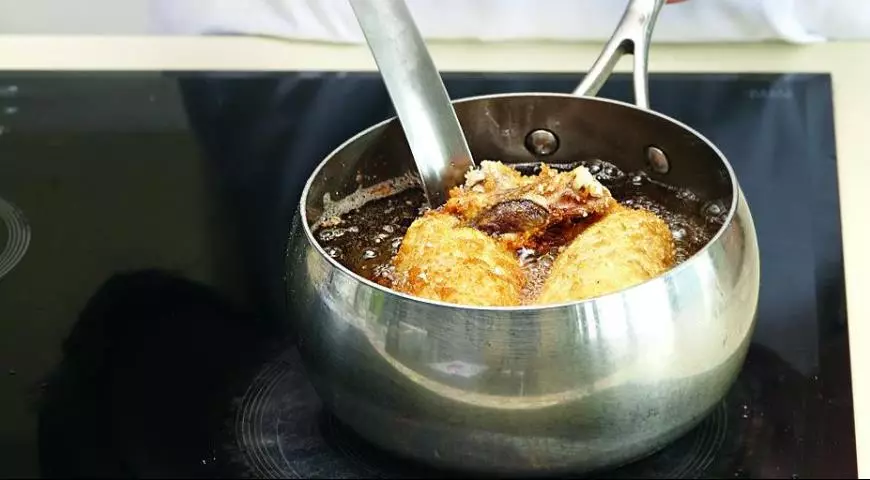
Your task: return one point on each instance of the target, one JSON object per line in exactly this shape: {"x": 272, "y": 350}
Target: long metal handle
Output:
{"x": 632, "y": 36}
{"x": 418, "y": 95}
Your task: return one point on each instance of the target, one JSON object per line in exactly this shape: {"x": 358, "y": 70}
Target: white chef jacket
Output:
{"x": 796, "y": 21}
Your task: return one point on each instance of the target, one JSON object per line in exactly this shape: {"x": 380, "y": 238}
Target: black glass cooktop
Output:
{"x": 142, "y": 321}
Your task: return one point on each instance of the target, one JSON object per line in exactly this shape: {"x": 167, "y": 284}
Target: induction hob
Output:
{"x": 144, "y": 219}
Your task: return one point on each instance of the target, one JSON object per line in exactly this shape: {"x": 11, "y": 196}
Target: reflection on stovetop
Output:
{"x": 162, "y": 377}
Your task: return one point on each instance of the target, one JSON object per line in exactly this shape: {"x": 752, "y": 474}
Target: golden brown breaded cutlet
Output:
{"x": 442, "y": 260}
{"x": 624, "y": 248}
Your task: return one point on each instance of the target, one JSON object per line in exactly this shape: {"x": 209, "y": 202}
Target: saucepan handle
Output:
{"x": 632, "y": 36}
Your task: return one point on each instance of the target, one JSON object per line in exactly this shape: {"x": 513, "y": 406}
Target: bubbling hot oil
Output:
{"x": 367, "y": 237}
{"x": 364, "y": 237}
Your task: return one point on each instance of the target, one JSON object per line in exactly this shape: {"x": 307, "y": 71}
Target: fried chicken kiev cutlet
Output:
{"x": 440, "y": 259}
{"x": 624, "y": 248}
{"x": 466, "y": 251}
{"x": 499, "y": 200}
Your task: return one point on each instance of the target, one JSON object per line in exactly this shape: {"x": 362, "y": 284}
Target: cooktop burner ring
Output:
{"x": 14, "y": 237}
{"x": 695, "y": 451}
{"x": 281, "y": 430}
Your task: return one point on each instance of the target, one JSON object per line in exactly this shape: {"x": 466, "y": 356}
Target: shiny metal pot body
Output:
{"x": 571, "y": 387}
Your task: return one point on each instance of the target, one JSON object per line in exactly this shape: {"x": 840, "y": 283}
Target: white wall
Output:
{"x": 128, "y": 17}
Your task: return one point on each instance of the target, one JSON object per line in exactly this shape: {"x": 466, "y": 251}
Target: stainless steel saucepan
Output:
{"x": 533, "y": 390}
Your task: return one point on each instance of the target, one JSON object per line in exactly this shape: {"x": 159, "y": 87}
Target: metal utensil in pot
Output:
{"x": 531, "y": 390}
{"x": 418, "y": 95}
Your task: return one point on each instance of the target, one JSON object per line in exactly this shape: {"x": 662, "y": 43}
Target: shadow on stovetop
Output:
{"x": 163, "y": 377}
{"x": 140, "y": 387}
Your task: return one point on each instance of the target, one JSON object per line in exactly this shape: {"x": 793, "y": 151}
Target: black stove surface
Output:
{"x": 142, "y": 322}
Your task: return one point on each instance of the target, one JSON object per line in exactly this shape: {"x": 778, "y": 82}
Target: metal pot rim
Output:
{"x": 732, "y": 210}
